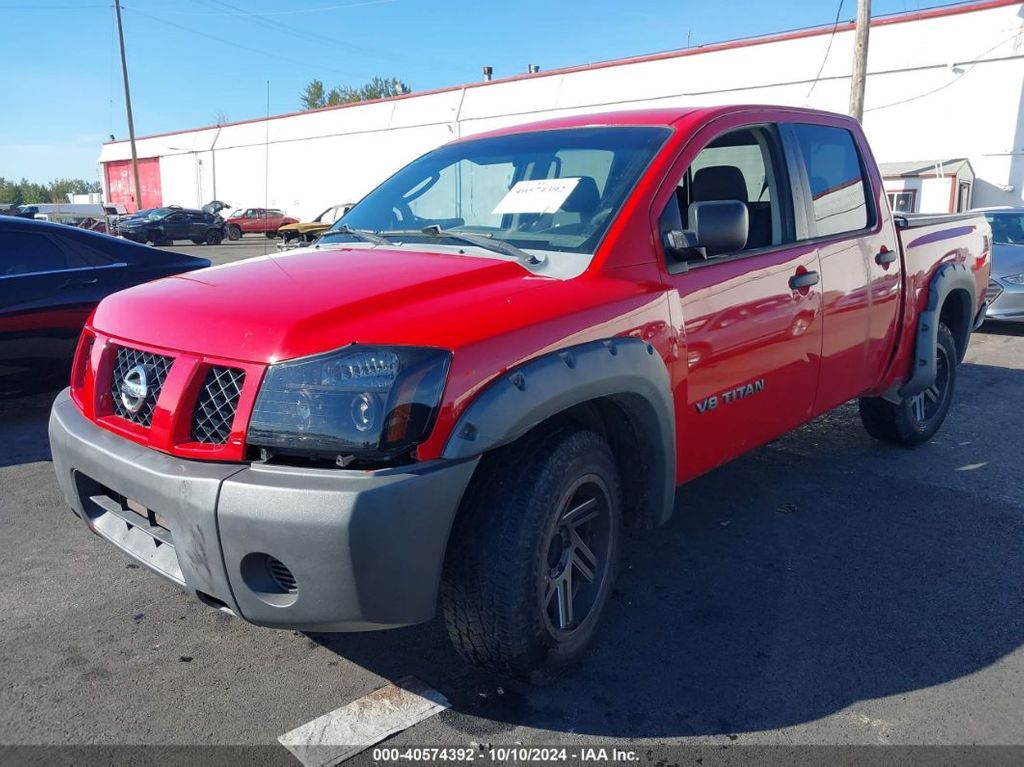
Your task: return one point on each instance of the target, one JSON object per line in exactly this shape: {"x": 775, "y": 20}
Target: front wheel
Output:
{"x": 234, "y": 232}
{"x": 214, "y": 237}
{"x": 916, "y": 419}
{"x": 534, "y": 553}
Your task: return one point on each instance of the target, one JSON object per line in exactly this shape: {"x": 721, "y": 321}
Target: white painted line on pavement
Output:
{"x": 344, "y": 732}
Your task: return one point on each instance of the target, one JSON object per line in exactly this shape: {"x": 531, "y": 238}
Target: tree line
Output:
{"x": 26, "y": 192}
{"x": 316, "y": 96}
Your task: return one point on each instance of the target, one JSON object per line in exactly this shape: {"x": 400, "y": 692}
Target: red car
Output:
{"x": 513, "y": 347}
{"x": 257, "y": 220}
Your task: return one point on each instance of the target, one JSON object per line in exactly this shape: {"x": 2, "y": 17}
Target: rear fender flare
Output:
{"x": 624, "y": 367}
{"x": 947, "y": 278}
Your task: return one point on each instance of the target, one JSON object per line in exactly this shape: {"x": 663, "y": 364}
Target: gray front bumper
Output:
{"x": 1008, "y": 304}
{"x": 365, "y": 547}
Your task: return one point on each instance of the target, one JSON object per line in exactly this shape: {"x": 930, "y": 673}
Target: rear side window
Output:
{"x": 27, "y": 253}
{"x": 839, "y": 197}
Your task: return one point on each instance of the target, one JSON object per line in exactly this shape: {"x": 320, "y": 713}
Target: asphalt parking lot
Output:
{"x": 229, "y": 250}
{"x": 824, "y": 589}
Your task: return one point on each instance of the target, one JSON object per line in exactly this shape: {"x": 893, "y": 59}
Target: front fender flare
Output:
{"x": 948, "y": 278}
{"x": 622, "y": 367}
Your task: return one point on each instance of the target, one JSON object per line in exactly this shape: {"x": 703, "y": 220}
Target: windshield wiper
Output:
{"x": 361, "y": 234}
{"x": 485, "y": 241}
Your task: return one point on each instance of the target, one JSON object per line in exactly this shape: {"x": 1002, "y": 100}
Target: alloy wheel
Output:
{"x": 577, "y": 557}
{"x": 924, "y": 406}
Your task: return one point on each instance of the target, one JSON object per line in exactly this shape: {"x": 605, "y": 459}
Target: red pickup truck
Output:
{"x": 513, "y": 347}
{"x": 257, "y": 221}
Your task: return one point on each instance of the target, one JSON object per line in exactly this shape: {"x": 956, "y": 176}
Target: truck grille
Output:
{"x": 155, "y": 366}
{"x": 216, "y": 406}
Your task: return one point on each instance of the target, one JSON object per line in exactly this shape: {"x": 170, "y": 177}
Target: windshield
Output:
{"x": 553, "y": 190}
{"x": 157, "y": 213}
{"x": 1007, "y": 228}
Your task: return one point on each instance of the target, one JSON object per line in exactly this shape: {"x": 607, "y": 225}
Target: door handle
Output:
{"x": 803, "y": 280}
{"x": 885, "y": 257}
{"x": 79, "y": 283}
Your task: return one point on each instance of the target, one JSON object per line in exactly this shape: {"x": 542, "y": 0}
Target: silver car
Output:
{"x": 1006, "y": 287}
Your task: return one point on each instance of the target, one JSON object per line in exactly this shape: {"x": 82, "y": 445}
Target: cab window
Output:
{"x": 743, "y": 166}
{"x": 838, "y": 184}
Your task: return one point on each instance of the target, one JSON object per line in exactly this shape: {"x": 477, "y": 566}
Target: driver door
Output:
{"x": 748, "y": 319}
{"x": 176, "y": 226}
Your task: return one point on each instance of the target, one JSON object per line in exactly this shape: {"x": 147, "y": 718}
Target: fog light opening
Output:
{"x": 269, "y": 579}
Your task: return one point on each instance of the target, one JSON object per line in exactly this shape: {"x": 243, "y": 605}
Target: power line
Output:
{"x": 980, "y": 58}
{"x": 232, "y": 43}
{"x": 289, "y": 12}
{"x": 831, "y": 38}
{"x": 35, "y": 7}
{"x": 346, "y": 45}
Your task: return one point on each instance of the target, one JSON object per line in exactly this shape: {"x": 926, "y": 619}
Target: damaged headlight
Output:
{"x": 361, "y": 401}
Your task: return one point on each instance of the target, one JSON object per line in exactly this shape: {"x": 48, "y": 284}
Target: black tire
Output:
{"x": 154, "y": 237}
{"x": 271, "y": 235}
{"x": 515, "y": 551}
{"x": 214, "y": 237}
{"x": 234, "y": 232}
{"x": 916, "y": 419}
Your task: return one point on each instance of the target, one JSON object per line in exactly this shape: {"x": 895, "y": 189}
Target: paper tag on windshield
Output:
{"x": 544, "y": 195}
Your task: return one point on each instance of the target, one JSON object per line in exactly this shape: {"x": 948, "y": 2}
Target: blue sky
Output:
{"x": 191, "y": 61}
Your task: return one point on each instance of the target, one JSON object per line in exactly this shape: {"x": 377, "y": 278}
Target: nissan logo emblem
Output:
{"x": 135, "y": 389}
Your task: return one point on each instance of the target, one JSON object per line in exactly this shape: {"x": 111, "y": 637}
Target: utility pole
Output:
{"x": 128, "y": 107}
{"x": 860, "y": 59}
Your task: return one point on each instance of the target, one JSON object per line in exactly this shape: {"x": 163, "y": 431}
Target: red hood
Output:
{"x": 285, "y": 306}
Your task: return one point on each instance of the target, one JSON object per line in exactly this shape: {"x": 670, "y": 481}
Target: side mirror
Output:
{"x": 720, "y": 226}
{"x": 683, "y": 246}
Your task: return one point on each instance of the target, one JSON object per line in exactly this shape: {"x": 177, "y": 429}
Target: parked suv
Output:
{"x": 257, "y": 220}
{"x": 162, "y": 226}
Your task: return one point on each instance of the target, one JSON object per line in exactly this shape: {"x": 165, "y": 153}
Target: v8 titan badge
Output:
{"x": 731, "y": 395}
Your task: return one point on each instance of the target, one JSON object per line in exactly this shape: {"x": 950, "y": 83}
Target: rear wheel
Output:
{"x": 214, "y": 237}
{"x": 534, "y": 553}
{"x": 916, "y": 419}
{"x": 234, "y": 232}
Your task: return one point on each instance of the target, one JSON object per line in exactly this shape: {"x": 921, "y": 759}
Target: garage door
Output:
{"x": 119, "y": 183}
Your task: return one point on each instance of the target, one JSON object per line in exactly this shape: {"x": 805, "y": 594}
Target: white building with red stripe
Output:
{"x": 942, "y": 83}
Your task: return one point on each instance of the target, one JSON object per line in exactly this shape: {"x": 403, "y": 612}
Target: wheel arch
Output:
{"x": 618, "y": 387}
{"x": 950, "y": 301}
{"x": 956, "y": 314}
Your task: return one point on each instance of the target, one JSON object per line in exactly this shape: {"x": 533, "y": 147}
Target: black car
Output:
{"x": 165, "y": 225}
{"x": 51, "y": 278}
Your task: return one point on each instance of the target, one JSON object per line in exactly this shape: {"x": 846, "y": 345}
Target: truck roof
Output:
{"x": 667, "y": 117}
